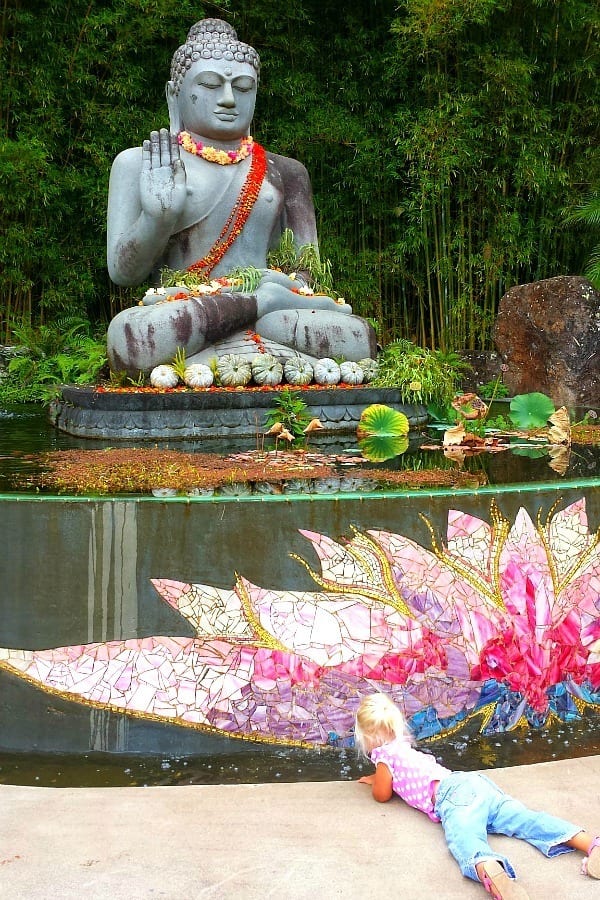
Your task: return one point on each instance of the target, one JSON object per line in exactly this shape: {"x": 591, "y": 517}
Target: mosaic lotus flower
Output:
{"x": 526, "y": 600}
{"x": 494, "y": 622}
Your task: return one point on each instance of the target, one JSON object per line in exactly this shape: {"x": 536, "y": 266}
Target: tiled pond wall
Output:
{"x": 200, "y": 625}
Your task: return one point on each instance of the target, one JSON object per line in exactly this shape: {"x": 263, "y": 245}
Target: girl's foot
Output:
{"x": 591, "y": 863}
{"x": 498, "y": 882}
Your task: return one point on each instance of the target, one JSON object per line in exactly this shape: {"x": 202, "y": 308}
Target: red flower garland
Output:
{"x": 239, "y": 214}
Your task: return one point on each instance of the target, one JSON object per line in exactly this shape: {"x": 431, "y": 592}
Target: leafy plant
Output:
{"x": 181, "y": 278}
{"x": 588, "y": 214}
{"x": 179, "y": 363}
{"x": 287, "y": 257}
{"x": 61, "y": 352}
{"x": 494, "y": 389}
{"x": 421, "y": 375}
{"x": 246, "y": 280}
{"x": 291, "y": 412}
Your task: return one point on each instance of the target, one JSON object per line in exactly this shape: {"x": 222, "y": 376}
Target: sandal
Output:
{"x": 590, "y": 864}
{"x": 499, "y": 884}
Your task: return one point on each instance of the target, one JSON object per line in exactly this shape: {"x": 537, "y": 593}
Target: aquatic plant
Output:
{"x": 382, "y": 433}
{"x": 531, "y": 410}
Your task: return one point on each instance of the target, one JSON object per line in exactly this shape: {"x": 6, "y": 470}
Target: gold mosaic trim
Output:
{"x": 392, "y": 598}
{"x": 500, "y": 528}
{"x": 265, "y": 638}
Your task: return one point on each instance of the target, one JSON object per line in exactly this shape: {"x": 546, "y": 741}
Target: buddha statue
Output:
{"x": 203, "y": 196}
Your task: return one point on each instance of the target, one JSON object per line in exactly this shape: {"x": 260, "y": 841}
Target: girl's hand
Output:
{"x": 366, "y": 779}
{"x": 381, "y": 783}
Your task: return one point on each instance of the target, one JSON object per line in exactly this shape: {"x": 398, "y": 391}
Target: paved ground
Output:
{"x": 310, "y": 841}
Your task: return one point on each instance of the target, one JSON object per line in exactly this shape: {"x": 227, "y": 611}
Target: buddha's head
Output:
{"x": 214, "y": 79}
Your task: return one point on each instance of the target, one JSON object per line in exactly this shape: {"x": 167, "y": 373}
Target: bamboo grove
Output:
{"x": 448, "y": 141}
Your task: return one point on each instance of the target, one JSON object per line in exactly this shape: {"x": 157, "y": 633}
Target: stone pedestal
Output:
{"x": 186, "y": 415}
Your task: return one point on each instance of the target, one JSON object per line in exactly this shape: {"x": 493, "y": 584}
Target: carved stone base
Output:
{"x": 85, "y": 412}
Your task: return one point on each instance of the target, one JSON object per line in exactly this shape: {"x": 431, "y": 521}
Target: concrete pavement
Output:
{"x": 308, "y": 841}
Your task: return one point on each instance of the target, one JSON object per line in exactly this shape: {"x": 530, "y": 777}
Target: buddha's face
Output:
{"x": 216, "y": 99}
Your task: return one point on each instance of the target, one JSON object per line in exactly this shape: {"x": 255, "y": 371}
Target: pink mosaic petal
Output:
{"x": 328, "y": 628}
{"x": 470, "y": 538}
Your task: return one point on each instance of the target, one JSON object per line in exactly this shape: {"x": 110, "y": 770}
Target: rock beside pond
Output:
{"x": 547, "y": 334}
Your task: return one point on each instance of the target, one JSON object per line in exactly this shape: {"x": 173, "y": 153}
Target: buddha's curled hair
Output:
{"x": 211, "y": 39}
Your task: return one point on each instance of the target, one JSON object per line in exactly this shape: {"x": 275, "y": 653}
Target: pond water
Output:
{"x": 25, "y": 431}
{"x": 568, "y": 740}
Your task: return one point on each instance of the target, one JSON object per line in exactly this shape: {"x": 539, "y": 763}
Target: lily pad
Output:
{"x": 379, "y": 447}
{"x": 530, "y": 452}
{"x": 382, "y": 421}
{"x": 531, "y": 410}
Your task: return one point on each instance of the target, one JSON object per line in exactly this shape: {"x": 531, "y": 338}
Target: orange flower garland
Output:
{"x": 239, "y": 214}
{"x": 211, "y": 154}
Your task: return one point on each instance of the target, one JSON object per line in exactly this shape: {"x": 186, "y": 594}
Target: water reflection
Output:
{"x": 25, "y": 432}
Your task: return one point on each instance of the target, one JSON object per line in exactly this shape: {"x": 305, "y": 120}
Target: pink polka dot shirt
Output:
{"x": 413, "y": 773}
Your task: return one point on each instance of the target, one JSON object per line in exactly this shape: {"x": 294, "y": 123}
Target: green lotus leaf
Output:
{"x": 381, "y": 420}
{"x": 531, "y": 410}
{"x": 379, "y": 447}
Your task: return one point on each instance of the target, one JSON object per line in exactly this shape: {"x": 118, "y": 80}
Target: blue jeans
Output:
{"x": 470, "y": 807}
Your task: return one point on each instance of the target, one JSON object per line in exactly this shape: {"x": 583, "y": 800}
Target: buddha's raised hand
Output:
{"x": 162, "y": 179}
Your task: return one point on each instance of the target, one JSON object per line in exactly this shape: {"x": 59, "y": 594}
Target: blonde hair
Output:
{"x": 378, "y": 721}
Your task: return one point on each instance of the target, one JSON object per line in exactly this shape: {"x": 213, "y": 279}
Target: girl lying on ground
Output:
{"x": 468, "y": 805}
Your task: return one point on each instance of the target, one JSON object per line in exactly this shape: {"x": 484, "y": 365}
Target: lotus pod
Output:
{"x": 266, "y": 369}
{"x": 351, "y": 373}
{"x": 327, "y": 371}
{"x": 298, "y": 371}
{"x": 164, "y": 377}
{"x": 370, "y": 368}
{"x": 198, "y": 376}
{"x": 234, "y": 370}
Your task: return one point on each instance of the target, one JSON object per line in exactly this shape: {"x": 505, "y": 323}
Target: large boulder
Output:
{"x": 547, "y": 334}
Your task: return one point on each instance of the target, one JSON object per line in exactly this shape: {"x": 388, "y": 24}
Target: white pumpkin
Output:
{"x": 370, "y": 368}
{"x": 266, "y": 369}
{"x": 164, "y": 377}
{"x": 327, "y": 371}
{"x": 351, "y": 373}
{"x": 298, "y": 371}
{"x": 198, "y": 376}
{"x": 234, "y": 370}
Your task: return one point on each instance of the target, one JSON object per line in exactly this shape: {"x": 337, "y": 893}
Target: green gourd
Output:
{"x": 327, "y": 371}
{"x": 298, "y": 371}
{"x": 164, "y": 377}
{"x": 198, "y": 376}
{"x": 351, "y": 373}
{"x": 369, "y": 367}
{"x": 234, "y": 370}
{"x": 266, "y": 370}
